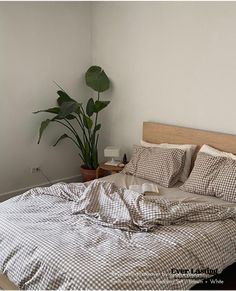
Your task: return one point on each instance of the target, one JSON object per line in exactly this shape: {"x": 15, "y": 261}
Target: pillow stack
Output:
{"x": 189, "y": 150}
{"x": 214, "y": 174}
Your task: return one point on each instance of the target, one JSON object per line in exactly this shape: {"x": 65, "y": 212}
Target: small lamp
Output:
{"x": 112, "y": 152}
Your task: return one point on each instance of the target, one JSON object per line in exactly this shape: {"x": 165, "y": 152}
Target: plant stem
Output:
{"x": 73, "y": 141}
{"x": 59, "y": 86}
{"x": 82, "y": 158}
{"x": 71, "y": 126}
{"x": 73, "y": 131}
{"x": 96, "y": 120}
{"x": 78, "y": 147}
{"x": 97, "y": 140}
{"x": 64, "y": 125}
{"x": 82, "y": 127}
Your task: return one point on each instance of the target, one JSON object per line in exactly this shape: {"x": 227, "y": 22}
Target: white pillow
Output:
{"x": 216, "y": 153}
{"x": 188, "y": 148}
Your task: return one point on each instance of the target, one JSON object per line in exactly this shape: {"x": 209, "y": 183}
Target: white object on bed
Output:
{"x": 216, "y": 153}
{"x": 145, "y": 188}
{"x": 188, "y": 148}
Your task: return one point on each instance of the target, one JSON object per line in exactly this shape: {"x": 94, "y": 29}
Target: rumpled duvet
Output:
{"x": 74, "y": 236}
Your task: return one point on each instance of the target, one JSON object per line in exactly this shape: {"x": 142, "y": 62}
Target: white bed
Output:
{"x": 182, "y": 246}
{"x": 48, "y": 243}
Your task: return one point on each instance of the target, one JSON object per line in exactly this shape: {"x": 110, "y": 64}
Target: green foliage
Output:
{"x": 61, "y": 138}
{"x": 90, "y": 107}
{"x": 55, "y": 110}
{"x": 63, "y": 97}
{"x": 81, "y": 123}
{"x": 43, "y": 126}
{"x": 99, "y": 105}
{"x": 97, "y": 79}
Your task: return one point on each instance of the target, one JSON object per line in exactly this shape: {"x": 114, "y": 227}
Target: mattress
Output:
{"x": 46, "y": 244}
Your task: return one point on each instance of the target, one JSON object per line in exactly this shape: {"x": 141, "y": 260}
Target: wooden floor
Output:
{"x": 228, "y": 276}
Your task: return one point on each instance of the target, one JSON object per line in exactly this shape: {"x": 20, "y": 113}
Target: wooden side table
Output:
{"x": 112, "y": 169}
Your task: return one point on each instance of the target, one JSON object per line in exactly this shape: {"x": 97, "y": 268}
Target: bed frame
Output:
{"x": 162, "y": 133}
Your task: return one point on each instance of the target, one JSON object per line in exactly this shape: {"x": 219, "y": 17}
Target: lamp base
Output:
{"x": 112, "y": 163}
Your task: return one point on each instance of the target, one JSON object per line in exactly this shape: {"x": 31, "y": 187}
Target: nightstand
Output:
{"x": 111, "y": 169}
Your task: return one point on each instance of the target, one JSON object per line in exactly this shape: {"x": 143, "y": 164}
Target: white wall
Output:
{"x": 170, "y": 62}
{"x": 40, "y": 42}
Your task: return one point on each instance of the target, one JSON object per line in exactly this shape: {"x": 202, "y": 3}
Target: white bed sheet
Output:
{"x": 173, "y": 193}
{"x": 185, "y": 246}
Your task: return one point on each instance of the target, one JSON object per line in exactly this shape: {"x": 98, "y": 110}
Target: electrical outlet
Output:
{"x": 35, "y": 170}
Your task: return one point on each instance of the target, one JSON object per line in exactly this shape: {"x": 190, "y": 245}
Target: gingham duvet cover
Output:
{"x": 73, "y": 236}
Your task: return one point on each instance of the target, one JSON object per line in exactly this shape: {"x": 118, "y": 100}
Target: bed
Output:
{"x": 48, "y": 241}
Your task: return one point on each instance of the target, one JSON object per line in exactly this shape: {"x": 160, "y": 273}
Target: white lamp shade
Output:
{"x": 112, "y": 152}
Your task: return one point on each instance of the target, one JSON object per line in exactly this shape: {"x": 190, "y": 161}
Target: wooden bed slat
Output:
{"x": 163, "y": 133}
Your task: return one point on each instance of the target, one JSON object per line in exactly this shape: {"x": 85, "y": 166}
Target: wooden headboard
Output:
{"x": 163, "y": 133}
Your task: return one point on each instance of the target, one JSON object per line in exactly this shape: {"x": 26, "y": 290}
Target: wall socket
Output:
{"x": 34, "y": 170}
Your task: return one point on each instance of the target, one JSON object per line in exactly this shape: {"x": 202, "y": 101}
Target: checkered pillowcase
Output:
{"x": 160, "y": 165}
{"x": 213, "y": 176}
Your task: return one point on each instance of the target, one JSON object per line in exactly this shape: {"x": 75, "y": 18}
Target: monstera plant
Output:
{"x": 81, "y": 122}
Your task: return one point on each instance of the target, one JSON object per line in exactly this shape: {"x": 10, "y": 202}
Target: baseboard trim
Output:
{"x": 7, "y": 195}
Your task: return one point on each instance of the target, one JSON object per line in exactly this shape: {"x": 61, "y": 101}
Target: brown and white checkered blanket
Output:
{"x": 72, "y": 236}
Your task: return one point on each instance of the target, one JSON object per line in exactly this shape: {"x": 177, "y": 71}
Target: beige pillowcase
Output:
{"x": 188, "y": 148}
{"x": 216, "y": 153}
{"x": 213, "y": 176}
{"x": 160, "y": 165}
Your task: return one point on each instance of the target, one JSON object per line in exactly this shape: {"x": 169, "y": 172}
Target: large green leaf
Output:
{"x": 97, "y": 79}
{"x": 61, "y": 138}
{"x": 99, "y": 105}
{"x": 67, "y": 108}
{"x": 54, "y": 110}
{"x": 88, "y": 123}
{"x": 43, "y": 126}
{"x": 63, "y": 97}
{"x": 90, "y": 107}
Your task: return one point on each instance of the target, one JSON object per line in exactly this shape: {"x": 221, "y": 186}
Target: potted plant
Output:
{"x": 81, "y": 122}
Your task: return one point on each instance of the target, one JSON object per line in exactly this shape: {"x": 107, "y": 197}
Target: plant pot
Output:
{"x": 87, "y": 174}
